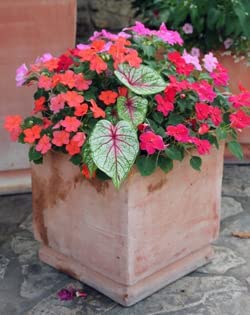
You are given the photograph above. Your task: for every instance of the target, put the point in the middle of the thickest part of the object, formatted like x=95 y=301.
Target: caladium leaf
x=132 y=109
x=87 y=158
x=114 y=148
x=142 y=80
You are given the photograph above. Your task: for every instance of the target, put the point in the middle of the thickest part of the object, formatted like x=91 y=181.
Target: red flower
x=151 y=142
x=13 y=125
x=202 y=111
x=133 y=59
x=32 y=134
x=123 y=91
x=204 y=128
x=239 y=120
x=179 y=132
x=97 y=111
x=68 y=78
x=43 y=145
x=81 y=83
x=163 y=104
x=181 y=66
x=242 y=99
x=81 y=110
x=39 y=104
x=204 y=90
x=86 y=172
x=60 y=138
x=70 y=123
x=51 y=64
x=215 y=115
x=64 y=63
x=73 y=98
x=220 y=76
x=73 y=148
x=202 y=146
x=108 y=97
x=46 y=123
x=97 y=64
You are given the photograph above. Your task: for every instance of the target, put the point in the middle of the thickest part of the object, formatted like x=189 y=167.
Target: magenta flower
x=228 y=43
x=187 y=28
x=210 y=62
x=66 y=294
x=140 y=29
x=105 y=34
x=21 y=73
x=170 y=37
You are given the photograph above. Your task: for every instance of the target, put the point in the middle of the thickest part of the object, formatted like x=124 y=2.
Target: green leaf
x=132 y=109
x=142 y=80
x=165 y=163
x=146 y=164
x=221 y=133
x=196 y=162
x=235 y=148
x=76 y=159
x=174 y=153
x=114 y=149
x=87 y=158
x=34 y=155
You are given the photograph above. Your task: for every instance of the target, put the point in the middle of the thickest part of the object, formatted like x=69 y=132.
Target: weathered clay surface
x=211 y=293
x=144 y=227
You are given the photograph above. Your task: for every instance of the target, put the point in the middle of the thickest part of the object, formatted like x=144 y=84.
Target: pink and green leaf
x=132 y=109
x=114 y=149
x=142 y=80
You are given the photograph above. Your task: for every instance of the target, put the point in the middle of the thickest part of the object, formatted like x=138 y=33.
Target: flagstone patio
x=29 y=287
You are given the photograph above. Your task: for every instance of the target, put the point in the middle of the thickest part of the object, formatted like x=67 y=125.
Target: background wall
x=97 y=14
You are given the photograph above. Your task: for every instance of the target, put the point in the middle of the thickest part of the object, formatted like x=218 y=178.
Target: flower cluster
x=132 y=97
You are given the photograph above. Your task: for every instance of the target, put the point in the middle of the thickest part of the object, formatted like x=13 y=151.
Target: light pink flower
x=210 y=62
x=82 y=46
x=194 y=60
x=187 y=28
x=195 y=52
x=228 y=43
x=21 y=73
x=45 y=57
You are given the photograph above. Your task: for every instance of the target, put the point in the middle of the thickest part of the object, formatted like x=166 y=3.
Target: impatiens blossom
x=96 y=110
x=187 y=28
x=195 y=52
x=45 y=57
x=32 y=134
x=39 y=104
x=21 y=73
x=202 y=111
x=44 y=144
x=215 y=115
x=45 y=82
x=151 y=142
x=179 y=132
x=60 y=138
x=81 y=110
x=228 y=43
x=210 y=62
x=79 y=138
x=108 y=97
x=239 y=120
x=164 y=105
x=86 y=172
x=73 y=148
x=242 y=99
x=204 y=128
x=72 y=98
x=140 y=29
x=220 y=76
x=57 y=103
x=194 y=60
x=204 y=90
x=203 y=146
x=13 y=125
x=168 y=36
x=181 y=66
x=70 y=123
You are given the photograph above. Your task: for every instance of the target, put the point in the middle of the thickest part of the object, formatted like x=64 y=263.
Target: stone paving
x=29 y=287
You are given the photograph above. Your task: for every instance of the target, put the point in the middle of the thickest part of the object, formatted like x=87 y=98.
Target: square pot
x=129 y=243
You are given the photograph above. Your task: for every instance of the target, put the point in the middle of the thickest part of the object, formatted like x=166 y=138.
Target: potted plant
x=221 y=26
x=136 y=208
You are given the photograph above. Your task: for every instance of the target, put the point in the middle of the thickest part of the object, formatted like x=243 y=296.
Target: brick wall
x=97 y=14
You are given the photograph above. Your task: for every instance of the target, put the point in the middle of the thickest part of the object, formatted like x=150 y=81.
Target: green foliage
x=196 y=162
x=166 y=164
x=175 y=153
x=235 y=148
x=146 y=165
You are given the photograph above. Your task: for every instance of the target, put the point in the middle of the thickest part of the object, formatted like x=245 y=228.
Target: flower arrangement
x=129 y=98
x=207 y=25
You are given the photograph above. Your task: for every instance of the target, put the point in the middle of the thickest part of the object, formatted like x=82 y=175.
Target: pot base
x=127 y=295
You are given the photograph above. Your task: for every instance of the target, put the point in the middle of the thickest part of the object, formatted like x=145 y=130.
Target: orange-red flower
x=39 y=104
x=86 y=172
x=13 y=125
x=32 y=134
x=108 y=97
x=60 y=138
x=51 y=64
x=68 y=78
x=81 y=110
x=70 y=123
x=43 y=145
x=73 y=98
x=45 y=82
x=73 y=148
x=97 y=111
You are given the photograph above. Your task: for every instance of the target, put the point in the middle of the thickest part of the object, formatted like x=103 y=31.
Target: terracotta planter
x=129 y=243
x=28 y=29
x=238 y=72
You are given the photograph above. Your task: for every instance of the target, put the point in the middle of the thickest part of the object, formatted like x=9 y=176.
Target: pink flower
x=43 y=145
x=194 y=60
x=45 y=82
x=215 y=115
x=210 y=62
x=151 y=142
x=180 y=132
x=228 y=43
x=202 y=111
x=79 y=138
x=204 y=90
x=220 y=76
x=66 y=294
x=82 y=46
x=195 y=52
x=164 y=105
x=239 y=120
x=204 y=128
x=21 y=73
x=60 y=138
x=139 y=29
x=203 y=146
x=45 y=57
x=57 y=103
x=170 y=37
x=70 y=123
x=187 y=28
x=240 y=100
